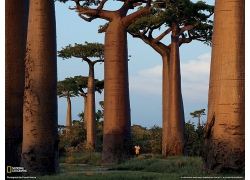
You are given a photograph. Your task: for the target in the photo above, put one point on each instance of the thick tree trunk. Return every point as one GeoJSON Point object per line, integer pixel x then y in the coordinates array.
{"type": "Point", "coordinates": [117, 123]}
{"type": "Point", "coordinates": [91, 118]}
{"type": "Point", "coordinates": [165, 102]}
{"type": "Point", "coordinates": [40, 135]}
{"type": "Point", "coordinates": [225, 127]}
{"type": "Point", "coordinates": [164, 51]}
{"type": "Point", "coordinates": [69, 116]}
{"type": "Point", "coordinates": [16, 23]}
{"type": "Point", "coordinates": [175, 138]}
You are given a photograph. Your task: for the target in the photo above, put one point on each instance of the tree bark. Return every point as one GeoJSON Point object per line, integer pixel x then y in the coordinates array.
{"type": "Point", "coordinates": [117, 123]}
{"type": "Point", "coordinates": [175, 139]}
{"type": "Point", "coordinates": [16, 23]}
{"type": "Point", "coordinates": [69, 116]}
{"type": "Point", "coordinates": [91, 117]}
{"type": "Point", "coordinates": [40, 134]}
{"type": "Point", "coordinates": [225, 127]}
{"type": "Point", "coordinates": [165, 101]}
{"type": "Point", "coordinates": [85, 111]}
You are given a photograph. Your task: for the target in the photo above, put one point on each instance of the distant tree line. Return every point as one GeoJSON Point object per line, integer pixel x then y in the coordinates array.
{"type": "Point", "coordinates": [149, 139]}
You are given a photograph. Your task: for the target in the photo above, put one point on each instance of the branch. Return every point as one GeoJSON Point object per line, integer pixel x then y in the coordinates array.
{"type": "Point", "coordinates": [131, 17]}
{"type": "Point", "coordinates": [92, 13]}
{"type": "Point", "coordinates": [99, 60]}
{"type": "Point", "coordinates": [102, 30]}
{"type": "Point", "coordinates": [163, 35]}
{"type": "Point", "coordinates": [82, 93]}
{"type": "Point", "coordinates": [189, 27]}
{"type": "Point", "coordinates": [208, 16]}
{"type": "Point", "coordinates": [102, 4]}
{"type": "Point", "coordinates": [86, 19]}
{"type": "Point", "coordinates": [87, 60]}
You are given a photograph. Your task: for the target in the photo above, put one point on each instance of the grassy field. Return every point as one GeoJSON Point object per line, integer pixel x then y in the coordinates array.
{"type": "Point", "coordinates": [145, 167]}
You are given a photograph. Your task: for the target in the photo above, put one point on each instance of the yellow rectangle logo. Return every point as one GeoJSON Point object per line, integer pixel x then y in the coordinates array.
{"type": "Point", "coordinates": [9, 168]}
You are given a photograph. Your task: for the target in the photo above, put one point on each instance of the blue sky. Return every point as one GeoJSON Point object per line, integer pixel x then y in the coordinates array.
{"type": "Point", "coordinates": [145, 64]}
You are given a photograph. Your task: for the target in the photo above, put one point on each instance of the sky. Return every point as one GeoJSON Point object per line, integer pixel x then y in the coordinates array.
{"type": "Point", "coordinates": [145, 69]}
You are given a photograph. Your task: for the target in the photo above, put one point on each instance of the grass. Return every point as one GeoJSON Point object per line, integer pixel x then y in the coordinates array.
{"type": "Point", "coordinates": [149, 167]}
{"type": "Point", "coordinates": [91, 158]}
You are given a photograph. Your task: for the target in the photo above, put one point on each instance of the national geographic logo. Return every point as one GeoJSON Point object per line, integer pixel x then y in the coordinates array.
{"type": "Point", "coordinates": [11, 169]}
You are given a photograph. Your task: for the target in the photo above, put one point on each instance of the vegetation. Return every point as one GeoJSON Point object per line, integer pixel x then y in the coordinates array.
{"type": "Point", "coordinates": [67, 88]}
{"type": "Point", "coordinates": [171, 168]}
{"type": "Point", "coordinates": [149, 140]}
{"type": "Point", "coordinates": [198, 113]}
{"type": "Point", "coordinates": [85, 52]}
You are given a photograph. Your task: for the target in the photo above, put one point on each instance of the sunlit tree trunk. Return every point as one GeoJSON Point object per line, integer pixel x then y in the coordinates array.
{"type": "Point", "coordinates": [69, 116]}
{"type": "Point", "coordinates": [225, 127]}
{"type": "Point", "coordinates": [85, 111]}
{"type": "Point", "coordinates": [165, 101]}
{"type": "Point", "coordinates": [91, 116]}
{"type": "Point", "coordinates": [175, 139]}
{"type": "Point", "coordinates": [116, 132]}
{"type": "Point", "coordinates": [16, 21]}
{"type": "Point", "coordinates": [117, 124]}
{"type": "Point", "coordinates": [40, 135]}
{"type": "Point", "coordinates": [164, 51]}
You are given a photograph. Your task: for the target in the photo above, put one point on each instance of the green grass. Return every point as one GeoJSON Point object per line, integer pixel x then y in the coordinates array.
{"type": "Point", "coordinates": [91, 158]}
{"type": "Point", "coordinates": [149, 167]}
{"type": "Point", "coordinates": [115, 176]}
{"type": "Point", "coordinates": [179, 165]}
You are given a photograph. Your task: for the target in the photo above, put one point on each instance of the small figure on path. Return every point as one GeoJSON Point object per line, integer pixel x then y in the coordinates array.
{"type": "Point", "coordinates": [137, 149]}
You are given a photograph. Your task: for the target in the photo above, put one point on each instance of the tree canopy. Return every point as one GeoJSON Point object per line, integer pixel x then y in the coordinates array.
{"type": "Point", "coordinates": [84, 51]}
{"type": "Point", "coordinates": [193, 20]}
{"type": "Point", "coordinates": [82, 83]}
{"type": "Point", "coordinates": [67, 88]}
{"type": "Point", "coordinates": [198, 113]}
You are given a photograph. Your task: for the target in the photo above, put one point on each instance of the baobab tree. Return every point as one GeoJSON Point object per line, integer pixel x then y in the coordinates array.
{"type": "Point", "coordinates": [117, 126]}
{"type": "Point", "coordinates": [82, 84]}
{"type": "Point", "coordinates": [85, 52]}
{"type": "Point", "coordinates": [225, 127]}
{"type": "Point", "coordinates": [67, 88]}
{"type": "Point", "coordinates": [89, 121]}
{"type": "Point", "coordinates": [16, 23]}
{"type": "Point", "coordinates": [185, 21]}
{"type": "Point", "coordinates": [40, 119]}
{"type": "Point", "coordinates": [198, 114]}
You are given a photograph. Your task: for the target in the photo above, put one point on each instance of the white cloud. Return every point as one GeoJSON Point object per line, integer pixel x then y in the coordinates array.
{"type": "Point", "coordinates": [194, 74]}
{"type": "Point", "coordinates": [155, 72]}
{"type": "Point", "coordinates": [196, 70]}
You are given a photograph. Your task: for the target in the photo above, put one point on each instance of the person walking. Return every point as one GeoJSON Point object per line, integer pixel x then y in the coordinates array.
{"type": "Point", "coordinates": [137, 150]}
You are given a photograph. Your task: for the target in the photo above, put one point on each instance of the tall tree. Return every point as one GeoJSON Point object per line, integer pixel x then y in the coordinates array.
{"type": "Point", "coordinates": [89, 121]}
{"type": "Point", "coordinates": [225, 127]}
{"type": "Point", "coordinates": [82, 84]}
{"type": "Point", "coordinates": [16, 23]}
{"type": "Point", "coordinates": [85, 52]}
{"type": "Point", "coordinates": [40, 119]}
{"type": "Point", "coordinates": [186, 21]}
{"type": "Point", "coordinates": [117, 126]}
{"type": "Point", "coordinates": [198, 113]}
{"type": "Point", "coordinates": [67, 88]}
